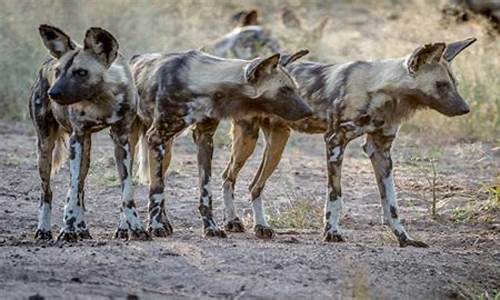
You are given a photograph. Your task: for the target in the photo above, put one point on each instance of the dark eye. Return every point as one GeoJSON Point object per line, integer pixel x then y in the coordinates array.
{"type": "Point", "coordinates": [442, 84]}
{"type": "Point", "coordinates": [81, 72]}
{"type": "Point", "coordinates": [57, 72]}
{"type": "Point", "coordinates": [286, 90]}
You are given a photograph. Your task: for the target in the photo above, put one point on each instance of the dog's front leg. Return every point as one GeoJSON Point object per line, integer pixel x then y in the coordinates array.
{"type": "Point", "coordinates": [378, 148]}
{"type": "Point", "coordinates": [335, 146]}
{"type": "Point", "coordinates": [203, 137]}
{"type": "Point", "coordinates": [79, 162]}
{"type": "Point", "coordinates": [134, 228]}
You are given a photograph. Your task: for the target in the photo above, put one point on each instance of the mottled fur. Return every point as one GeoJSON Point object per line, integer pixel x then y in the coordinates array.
{"type": "Point", "coordinates": [193, 88]}
{"type": "Point", "coordinates": [350, 100]}
{"type": "Point", "coordinates": [81, 90]}
{"type": "Point", "coordinates": [247, 40]}
{"type": "Point", "coordinates": [292, 21]}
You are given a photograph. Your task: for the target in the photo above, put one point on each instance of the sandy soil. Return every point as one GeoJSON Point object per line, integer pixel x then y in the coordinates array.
{"type": "Point", "coordinates": [463, 260]}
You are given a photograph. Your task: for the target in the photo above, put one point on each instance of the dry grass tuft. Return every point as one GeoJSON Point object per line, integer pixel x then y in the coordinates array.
{"type": "Point", "coordinates": [299, 212]}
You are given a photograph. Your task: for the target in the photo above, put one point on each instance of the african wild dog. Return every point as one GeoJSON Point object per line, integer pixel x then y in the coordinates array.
{"type": "Point", "coordinates": [81, 90]}
{"type": "Point", "coordinates": [193, 88]}
{"type": "Point", "coordinates": [349, 100]}
{"type": "Point", "coordinates": [247, 40]}
{"type": "Point", "coordinates": [242, 45]}
{"type": "Point", "coordinates": [308, 35]}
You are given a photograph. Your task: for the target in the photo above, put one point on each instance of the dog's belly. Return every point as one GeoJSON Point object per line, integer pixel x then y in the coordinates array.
{"type": "Point", "coordinates": [200, 109]}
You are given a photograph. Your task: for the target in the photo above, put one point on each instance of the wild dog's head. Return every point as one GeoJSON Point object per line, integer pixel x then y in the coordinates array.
{"type": "Point", "coordinates": [274, 87]}
{"type": "Point", "coordinates": [429, 66]}
{"type": "Point", "coordinates": [79, 71]}
{"type": "Point", "coordinates": [247, 40]}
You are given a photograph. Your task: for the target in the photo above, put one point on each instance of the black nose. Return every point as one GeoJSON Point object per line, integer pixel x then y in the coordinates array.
{"type": "Point", "coordinates": [465, 110]}
{"type": "Point", "coordinates": [55, 94]}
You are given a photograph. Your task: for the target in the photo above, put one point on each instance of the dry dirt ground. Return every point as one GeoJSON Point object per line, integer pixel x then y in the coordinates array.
{"type": "Point", "coordinates": [463, 258]}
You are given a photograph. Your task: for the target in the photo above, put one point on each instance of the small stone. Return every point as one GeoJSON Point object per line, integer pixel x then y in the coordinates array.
{"type": "Point", "coordinates": [76, 279]}
{"type": "Point", "coordinates": [132, 297]}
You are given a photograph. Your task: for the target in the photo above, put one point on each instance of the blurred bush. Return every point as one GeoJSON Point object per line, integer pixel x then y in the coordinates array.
{"type": "Point", "coordinates": [356, 30]}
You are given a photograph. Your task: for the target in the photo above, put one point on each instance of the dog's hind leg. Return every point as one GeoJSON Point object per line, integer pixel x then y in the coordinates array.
{"type": "Point", "coordinates": [203, 137]}
{"type": "Point", "coordinates": [160, 137]}
{"type": "Point", "coordinates": [276, 139]}
{"type": "Point", "coordinates": [335, 146]}
{"type": "Point", "coordinates": [244, 139]}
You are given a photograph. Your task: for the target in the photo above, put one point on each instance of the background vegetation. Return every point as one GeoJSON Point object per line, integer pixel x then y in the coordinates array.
{"type": "Point", "coordinates": [376, 29]}
{"type": "Point", "coordinates": [447, 169]}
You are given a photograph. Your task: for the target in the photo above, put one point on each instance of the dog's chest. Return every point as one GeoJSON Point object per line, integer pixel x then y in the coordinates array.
{"type": "Point", "coordinates": [94, 115]}
{"type": "Point", "coordinates": [366, 122]}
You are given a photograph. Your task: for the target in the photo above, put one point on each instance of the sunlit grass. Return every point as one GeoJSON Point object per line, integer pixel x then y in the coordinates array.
{"type": "Point", "coordinates": [374, 29]}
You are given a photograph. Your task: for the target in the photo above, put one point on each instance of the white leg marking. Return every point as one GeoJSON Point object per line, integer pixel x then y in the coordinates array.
{"type": "Point", "coordinates": [162, 150]}
{"type": "Point", "coordinates": [259, 213]}
{"type": "Point", "coordinates": [122, 223]}
{"type": "Point", "coordinates": [44, 217]}
{"type": "Point", "coordinates": [390, 195]}
{"type": "Point", "coordinates": [74, 166]}
{"type": "Point", "coordinates": [334, 208]}
{"type": "Point", "coordinates": [228, 194]}
{"type": "Point", "coordinates": [130, 214]}
{"type": "Point", "coordinates": [72, 209]}
{"type": "Point", "coordinates": [336, 152]}
{"type": "Point", "coordinates": [133, 221]}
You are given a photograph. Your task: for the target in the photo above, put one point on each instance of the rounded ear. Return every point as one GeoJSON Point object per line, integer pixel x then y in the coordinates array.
{"type": "Point", "coordinates": [102, 44]}
{"type": "Point", "coordinates": [288, 59]}
{"type": "Point", "coordinates": [55, 40]}
{"type": "Point", "coordinates": [250, 18]}
{"type": "Point", "coordinates": [427, 54]}
{"type": "Point", "coordinates": [258, 68]}
{"type": "Point", "coordinates": [453, 49]}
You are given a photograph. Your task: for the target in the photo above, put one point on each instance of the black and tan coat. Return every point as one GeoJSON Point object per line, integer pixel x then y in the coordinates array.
{"type": "Point", "coordinates": [247, 40]}
{"type": "Point", "coordinates": [81, 90]}
{"type": "Point", "coordinates": [193, 88]}
{"type": "Point", "coordinates": [369, 98]}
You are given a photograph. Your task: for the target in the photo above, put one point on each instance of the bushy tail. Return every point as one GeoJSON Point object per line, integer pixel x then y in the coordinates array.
{"type": "Point", "coordinates": [60, 152]}
{"type": "Point", "coordinates": [142, 157]}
